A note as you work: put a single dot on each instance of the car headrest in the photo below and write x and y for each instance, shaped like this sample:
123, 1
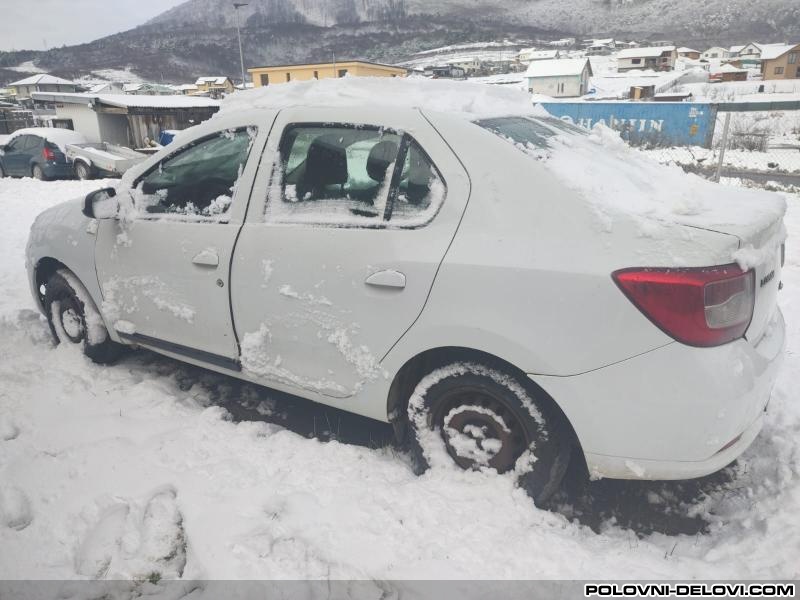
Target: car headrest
380, 157
326, 162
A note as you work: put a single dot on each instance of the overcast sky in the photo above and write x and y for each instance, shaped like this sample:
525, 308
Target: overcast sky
28, 24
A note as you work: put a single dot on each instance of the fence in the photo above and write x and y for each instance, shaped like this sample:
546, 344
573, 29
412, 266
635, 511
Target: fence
11, 120
755, 141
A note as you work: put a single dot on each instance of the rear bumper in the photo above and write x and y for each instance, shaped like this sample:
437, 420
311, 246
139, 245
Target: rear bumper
57, 171
673, 413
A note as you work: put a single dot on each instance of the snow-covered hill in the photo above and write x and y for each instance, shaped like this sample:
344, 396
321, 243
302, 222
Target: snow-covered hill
677, 18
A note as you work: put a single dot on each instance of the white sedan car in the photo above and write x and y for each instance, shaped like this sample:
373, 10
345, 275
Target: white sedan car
479, 282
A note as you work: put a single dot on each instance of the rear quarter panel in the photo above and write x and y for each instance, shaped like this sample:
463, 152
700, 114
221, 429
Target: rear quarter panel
528, 276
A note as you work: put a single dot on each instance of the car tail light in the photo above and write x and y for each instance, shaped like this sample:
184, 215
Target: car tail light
707, 306
48, 154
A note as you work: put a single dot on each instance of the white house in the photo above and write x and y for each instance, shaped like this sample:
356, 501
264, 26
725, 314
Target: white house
655, 58
716, 53
565, 78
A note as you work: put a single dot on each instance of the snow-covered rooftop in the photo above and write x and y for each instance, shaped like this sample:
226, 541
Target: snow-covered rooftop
772, 51
557, 68
43, 79
651, 52
212, 80
539, 54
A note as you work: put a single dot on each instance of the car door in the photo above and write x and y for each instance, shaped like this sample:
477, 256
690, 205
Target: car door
163, 265
15, 158
337, 262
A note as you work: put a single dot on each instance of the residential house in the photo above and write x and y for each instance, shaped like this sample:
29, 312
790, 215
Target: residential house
716, 53
600, 47
564, 78
690, 53
272, 74
781, 62
147, 89
185, 89
728, 72
106, 87
216, 87
529, 55
562, 43
445, 72
126, 119
22, 89
655, 58
749, 56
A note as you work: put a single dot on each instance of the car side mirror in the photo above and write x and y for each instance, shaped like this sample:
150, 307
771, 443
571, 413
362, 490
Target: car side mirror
101, 204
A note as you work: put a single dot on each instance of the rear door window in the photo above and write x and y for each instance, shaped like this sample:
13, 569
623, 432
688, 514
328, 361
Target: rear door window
350, 175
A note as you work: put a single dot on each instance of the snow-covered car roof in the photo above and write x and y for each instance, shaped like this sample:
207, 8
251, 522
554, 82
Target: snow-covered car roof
54, 135
456, 98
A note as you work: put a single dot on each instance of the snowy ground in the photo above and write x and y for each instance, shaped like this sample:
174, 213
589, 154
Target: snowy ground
151, 469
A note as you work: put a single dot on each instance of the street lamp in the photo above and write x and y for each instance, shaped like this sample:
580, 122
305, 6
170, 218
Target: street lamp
236, 7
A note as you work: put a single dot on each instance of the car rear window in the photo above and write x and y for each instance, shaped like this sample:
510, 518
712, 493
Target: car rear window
528, 131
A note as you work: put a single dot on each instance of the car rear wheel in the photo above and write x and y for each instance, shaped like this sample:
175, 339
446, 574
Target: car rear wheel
479, 417
38, 173
75, 320
83, 171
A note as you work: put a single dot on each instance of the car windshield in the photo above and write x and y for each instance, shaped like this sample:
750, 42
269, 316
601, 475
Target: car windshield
530, 132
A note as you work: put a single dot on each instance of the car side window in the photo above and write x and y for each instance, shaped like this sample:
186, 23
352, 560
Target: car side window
200, 180
335, 174
421, 189
347, 175
17, 144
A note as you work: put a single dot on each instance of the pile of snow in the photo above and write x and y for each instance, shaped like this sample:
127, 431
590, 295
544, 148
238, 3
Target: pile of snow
618, 181
454, 97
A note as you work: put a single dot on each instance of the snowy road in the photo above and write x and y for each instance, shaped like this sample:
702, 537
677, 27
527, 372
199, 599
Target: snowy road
149, 467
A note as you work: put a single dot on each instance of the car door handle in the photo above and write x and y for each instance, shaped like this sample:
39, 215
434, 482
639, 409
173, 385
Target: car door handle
389, 278
206, 258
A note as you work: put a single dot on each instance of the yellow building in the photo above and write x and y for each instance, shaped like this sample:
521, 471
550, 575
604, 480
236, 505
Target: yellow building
780, 61
271, 75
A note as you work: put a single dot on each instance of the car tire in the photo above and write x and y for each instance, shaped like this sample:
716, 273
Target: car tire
38, 173
2, 172
457, 410
74, 319
83, 171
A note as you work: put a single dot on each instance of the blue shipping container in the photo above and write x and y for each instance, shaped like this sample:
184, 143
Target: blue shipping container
645, 123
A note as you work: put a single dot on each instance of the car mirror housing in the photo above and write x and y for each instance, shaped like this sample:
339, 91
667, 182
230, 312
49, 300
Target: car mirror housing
101, 204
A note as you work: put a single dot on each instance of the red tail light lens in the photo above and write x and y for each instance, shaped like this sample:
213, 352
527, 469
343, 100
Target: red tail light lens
48, 154
709, 306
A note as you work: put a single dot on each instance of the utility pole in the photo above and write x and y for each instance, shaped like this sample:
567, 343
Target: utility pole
236, 7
